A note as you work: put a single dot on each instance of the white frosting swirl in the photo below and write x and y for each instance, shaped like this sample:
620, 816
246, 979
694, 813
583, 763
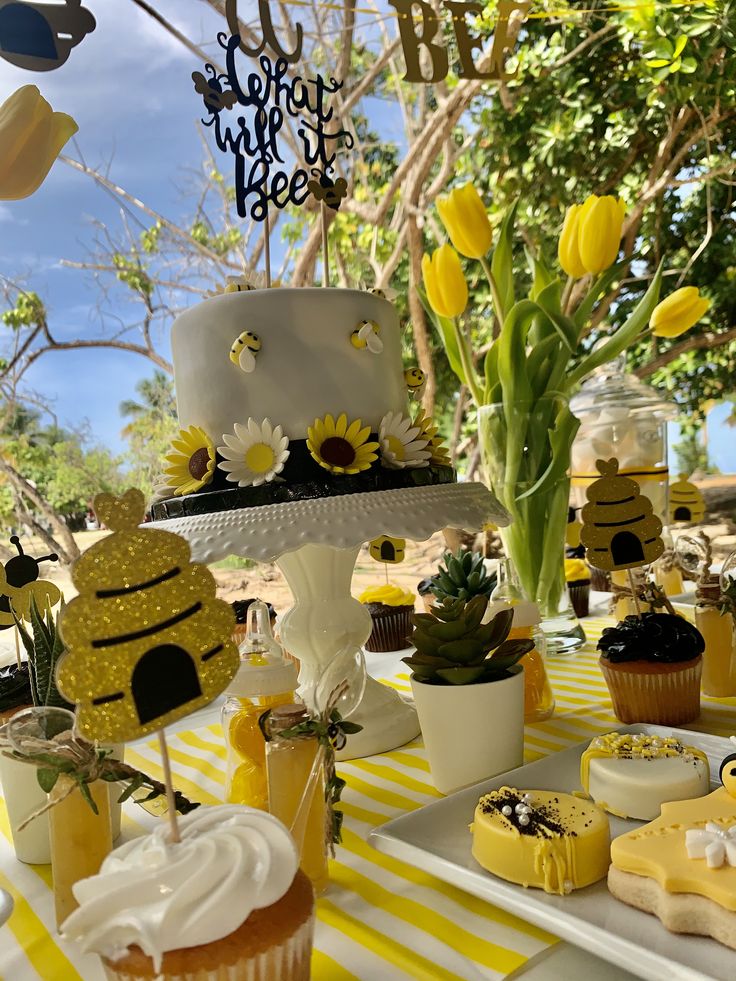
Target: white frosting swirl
161, 896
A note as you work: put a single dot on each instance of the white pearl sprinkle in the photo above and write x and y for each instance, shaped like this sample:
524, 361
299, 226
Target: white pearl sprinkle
506, 810
527, 798
523, 819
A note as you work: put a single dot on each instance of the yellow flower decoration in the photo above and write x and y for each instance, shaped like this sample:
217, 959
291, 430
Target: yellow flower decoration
464, 216
339, 447
444, 282
678, 312
427, 430
32, 136
192, 462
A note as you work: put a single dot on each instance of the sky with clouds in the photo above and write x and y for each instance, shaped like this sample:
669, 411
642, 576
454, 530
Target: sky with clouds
129, 87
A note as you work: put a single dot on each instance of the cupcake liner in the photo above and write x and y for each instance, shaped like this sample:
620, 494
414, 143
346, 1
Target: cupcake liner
667, 697
580, 598
391, 631
288, 961
600, 581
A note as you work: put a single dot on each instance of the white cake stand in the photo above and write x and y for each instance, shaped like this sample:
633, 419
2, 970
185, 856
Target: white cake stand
316, 543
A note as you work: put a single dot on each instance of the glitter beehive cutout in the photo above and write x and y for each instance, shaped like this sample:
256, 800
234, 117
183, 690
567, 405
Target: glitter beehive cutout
620, 530
147, 641
686, 501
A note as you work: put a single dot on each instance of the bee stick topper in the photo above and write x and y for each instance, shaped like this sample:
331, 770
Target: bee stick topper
620, 529
147, 641
19, 585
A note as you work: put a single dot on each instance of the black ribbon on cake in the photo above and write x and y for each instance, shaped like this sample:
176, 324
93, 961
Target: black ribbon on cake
303, 479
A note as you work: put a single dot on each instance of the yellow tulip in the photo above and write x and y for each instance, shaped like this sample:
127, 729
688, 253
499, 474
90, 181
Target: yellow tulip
444, 282
464, 216
32, 136
567, 249
600, 222
678, 312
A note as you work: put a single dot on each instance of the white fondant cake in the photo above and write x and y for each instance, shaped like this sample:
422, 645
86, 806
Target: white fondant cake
306, 367
632, 775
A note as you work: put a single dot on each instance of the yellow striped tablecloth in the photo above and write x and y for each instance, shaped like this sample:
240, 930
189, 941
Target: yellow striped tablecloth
381, 919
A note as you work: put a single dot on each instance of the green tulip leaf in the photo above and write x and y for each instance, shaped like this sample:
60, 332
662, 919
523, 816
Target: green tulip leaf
550, 301
560, 438
447, 330
502, 262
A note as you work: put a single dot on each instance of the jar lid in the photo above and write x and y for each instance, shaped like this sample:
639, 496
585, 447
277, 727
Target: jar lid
611, 391
263, 674
286, 716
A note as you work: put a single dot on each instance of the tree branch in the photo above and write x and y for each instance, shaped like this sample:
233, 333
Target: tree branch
698, 342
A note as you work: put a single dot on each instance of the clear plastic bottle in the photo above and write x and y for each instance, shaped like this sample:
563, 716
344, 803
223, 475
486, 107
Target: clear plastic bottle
264, 680
289, 763
539, 701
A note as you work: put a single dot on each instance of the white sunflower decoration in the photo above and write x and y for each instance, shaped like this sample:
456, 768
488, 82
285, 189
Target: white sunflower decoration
403, 445
254, 454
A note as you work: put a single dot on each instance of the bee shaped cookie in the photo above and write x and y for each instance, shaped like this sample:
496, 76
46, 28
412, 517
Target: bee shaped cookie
20, 585
620, 529
367, 336
686, 501
387, 549
244, 350
147, 641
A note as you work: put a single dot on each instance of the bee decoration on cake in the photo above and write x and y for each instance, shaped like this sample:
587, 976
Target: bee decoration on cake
416, 381
367, 336
244, 350
387, 549
620, 529
686, 501
146, 640
20, 585
326, 190
727, 772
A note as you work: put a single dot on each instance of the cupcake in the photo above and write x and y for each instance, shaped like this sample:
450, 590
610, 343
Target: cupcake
600, 580
390, 608
226, 902
240, 609
652, 667
578, 586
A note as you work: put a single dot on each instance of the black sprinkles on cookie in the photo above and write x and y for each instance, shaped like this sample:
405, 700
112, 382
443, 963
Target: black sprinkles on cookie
544, 820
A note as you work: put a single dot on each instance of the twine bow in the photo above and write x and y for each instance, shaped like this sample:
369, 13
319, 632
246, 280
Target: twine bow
67, 762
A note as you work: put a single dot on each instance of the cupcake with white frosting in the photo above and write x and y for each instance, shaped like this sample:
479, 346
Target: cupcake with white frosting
227, 902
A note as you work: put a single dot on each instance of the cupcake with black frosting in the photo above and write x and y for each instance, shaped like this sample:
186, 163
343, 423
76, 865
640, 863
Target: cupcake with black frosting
652, 666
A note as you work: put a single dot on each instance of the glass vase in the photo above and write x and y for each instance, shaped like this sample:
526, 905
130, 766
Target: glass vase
525, 448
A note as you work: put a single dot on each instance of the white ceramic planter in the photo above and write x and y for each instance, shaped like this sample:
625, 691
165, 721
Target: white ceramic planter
471, 732
23, 796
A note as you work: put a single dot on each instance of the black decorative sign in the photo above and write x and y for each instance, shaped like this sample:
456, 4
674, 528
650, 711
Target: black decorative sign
261, 103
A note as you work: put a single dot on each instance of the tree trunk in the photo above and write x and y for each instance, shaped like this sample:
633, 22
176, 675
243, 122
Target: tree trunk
416, 312
62, 540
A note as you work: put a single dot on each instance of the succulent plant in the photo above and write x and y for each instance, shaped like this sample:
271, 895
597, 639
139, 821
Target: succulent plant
453, 647
44, 649
462, 577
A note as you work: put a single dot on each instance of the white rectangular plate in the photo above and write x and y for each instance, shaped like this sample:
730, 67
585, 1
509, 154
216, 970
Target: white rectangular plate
436, 838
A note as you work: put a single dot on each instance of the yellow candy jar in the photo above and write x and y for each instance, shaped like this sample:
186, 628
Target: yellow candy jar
264, 680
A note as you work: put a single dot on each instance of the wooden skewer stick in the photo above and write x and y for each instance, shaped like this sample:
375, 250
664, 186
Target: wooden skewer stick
267, 248
168, 783
325, 246
17, 645
299, 824
634, 593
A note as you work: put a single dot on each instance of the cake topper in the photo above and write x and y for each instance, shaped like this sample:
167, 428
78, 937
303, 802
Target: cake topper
686, 501
620, 529
147, 641
387, 549
40, 36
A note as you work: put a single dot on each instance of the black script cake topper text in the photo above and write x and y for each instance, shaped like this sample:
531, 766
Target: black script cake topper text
262, 101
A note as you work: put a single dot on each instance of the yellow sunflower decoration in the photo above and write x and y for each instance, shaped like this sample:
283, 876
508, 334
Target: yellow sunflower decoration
192, 462
428, 430
341, 447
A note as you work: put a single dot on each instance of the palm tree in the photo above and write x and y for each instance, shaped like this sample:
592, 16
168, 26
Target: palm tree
157, 399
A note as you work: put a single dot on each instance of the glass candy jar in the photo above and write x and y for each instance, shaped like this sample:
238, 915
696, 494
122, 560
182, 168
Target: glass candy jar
539, 702
621, 417
264, 680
